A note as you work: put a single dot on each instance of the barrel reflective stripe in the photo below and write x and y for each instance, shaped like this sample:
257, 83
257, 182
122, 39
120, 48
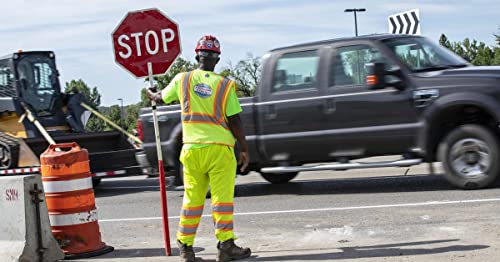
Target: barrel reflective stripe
203, 119
223, 208
73, 219
192, 211
185, 91
219, 98
68, 185
224, 225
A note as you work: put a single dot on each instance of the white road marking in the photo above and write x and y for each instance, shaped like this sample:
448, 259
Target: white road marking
429, 203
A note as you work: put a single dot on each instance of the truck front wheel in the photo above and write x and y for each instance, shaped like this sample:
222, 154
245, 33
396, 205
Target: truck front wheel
469, 155
278, 178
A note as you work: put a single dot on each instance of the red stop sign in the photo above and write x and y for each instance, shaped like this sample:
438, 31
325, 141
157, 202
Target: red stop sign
146, 36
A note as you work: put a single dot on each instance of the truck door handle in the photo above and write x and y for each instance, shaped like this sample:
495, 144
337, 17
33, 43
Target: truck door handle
329, 106
423, 97
271, 112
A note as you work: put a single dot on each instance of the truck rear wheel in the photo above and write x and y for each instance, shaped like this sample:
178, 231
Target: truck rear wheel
469, 155
279, 178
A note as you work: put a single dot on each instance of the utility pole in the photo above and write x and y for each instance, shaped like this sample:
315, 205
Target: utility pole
122, 124
355, 10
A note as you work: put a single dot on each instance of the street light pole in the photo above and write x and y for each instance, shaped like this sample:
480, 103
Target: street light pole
355, 10
121, 112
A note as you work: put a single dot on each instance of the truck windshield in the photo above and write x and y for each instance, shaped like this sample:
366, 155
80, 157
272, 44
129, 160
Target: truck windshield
39, 85
421, 55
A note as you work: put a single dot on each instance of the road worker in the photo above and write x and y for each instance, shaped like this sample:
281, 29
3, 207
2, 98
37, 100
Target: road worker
211, 124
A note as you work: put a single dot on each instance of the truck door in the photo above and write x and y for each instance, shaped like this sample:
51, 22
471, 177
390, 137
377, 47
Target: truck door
366, 122
289, 109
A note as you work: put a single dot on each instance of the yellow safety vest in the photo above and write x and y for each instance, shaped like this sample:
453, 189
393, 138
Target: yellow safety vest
203, 105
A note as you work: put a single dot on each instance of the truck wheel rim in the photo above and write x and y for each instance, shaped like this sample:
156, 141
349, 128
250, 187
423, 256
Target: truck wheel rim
470, 158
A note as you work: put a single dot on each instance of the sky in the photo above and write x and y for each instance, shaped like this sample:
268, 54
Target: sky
79, 31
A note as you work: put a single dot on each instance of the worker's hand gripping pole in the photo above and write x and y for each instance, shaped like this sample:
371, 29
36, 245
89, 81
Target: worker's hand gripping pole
164, 209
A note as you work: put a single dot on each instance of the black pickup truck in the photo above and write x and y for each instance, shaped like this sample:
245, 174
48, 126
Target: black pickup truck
339, 100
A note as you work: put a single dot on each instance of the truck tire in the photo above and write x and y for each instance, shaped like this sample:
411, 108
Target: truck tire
469, 154
279, 178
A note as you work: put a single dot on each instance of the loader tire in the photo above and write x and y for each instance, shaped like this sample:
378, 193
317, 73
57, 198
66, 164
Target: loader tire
9, 151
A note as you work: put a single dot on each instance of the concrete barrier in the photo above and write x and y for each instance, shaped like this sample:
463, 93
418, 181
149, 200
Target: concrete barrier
25, 233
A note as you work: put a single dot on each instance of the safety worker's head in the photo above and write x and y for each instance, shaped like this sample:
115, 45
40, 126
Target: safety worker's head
207, 52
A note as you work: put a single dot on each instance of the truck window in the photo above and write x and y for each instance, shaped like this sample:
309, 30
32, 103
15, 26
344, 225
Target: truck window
349, 65
420, 54
296, 71
39, 81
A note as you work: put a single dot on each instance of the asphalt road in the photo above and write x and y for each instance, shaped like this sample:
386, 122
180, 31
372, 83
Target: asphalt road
361, 215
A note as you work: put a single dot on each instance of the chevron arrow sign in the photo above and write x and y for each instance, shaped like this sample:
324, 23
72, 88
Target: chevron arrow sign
407, 23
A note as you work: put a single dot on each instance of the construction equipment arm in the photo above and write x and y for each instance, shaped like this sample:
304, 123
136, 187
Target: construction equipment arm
95, 112
39, 126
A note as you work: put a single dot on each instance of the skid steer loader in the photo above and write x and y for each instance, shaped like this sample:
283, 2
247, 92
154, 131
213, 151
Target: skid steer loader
29, 86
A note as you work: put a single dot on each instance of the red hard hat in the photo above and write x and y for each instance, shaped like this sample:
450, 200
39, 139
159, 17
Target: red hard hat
208, 43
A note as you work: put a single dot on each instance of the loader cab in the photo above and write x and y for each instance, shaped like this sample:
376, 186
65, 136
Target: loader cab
37, 82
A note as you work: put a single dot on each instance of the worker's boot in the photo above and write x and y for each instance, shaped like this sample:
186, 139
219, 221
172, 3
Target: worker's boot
186, 252
228, 251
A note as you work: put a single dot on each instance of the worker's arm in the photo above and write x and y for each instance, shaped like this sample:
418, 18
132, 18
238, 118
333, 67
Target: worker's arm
236, 128
233, 109
167, 95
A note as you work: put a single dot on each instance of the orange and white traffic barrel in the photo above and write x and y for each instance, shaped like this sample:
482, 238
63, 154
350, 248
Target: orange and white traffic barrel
70, 200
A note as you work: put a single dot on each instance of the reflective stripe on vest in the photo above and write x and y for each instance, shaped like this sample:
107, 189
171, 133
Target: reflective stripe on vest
185, 91
217, 117
206, 119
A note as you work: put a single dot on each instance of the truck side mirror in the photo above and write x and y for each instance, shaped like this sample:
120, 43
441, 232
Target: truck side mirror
375, 75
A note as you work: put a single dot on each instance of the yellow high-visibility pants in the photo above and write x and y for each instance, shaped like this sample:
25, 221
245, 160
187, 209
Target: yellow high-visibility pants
213, 165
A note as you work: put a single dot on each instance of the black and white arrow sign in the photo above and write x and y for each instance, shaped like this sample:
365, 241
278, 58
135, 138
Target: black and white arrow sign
405, 23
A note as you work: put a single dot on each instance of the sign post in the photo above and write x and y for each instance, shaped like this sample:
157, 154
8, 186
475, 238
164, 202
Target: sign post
146, 43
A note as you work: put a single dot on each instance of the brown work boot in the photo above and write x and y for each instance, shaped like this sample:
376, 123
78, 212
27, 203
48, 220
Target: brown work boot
186, 252
228, 251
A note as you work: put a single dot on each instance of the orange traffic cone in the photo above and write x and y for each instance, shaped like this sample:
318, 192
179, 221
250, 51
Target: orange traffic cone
70, 200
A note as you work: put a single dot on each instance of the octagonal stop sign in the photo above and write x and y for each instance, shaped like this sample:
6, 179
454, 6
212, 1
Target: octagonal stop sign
146, 36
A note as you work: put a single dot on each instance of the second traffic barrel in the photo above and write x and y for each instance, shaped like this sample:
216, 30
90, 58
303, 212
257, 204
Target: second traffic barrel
70, 200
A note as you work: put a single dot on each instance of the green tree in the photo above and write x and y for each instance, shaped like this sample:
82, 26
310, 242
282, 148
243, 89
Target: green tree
246, 74
93, 98
113, 114
131, 116
443, 40
475, 52
497, 38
